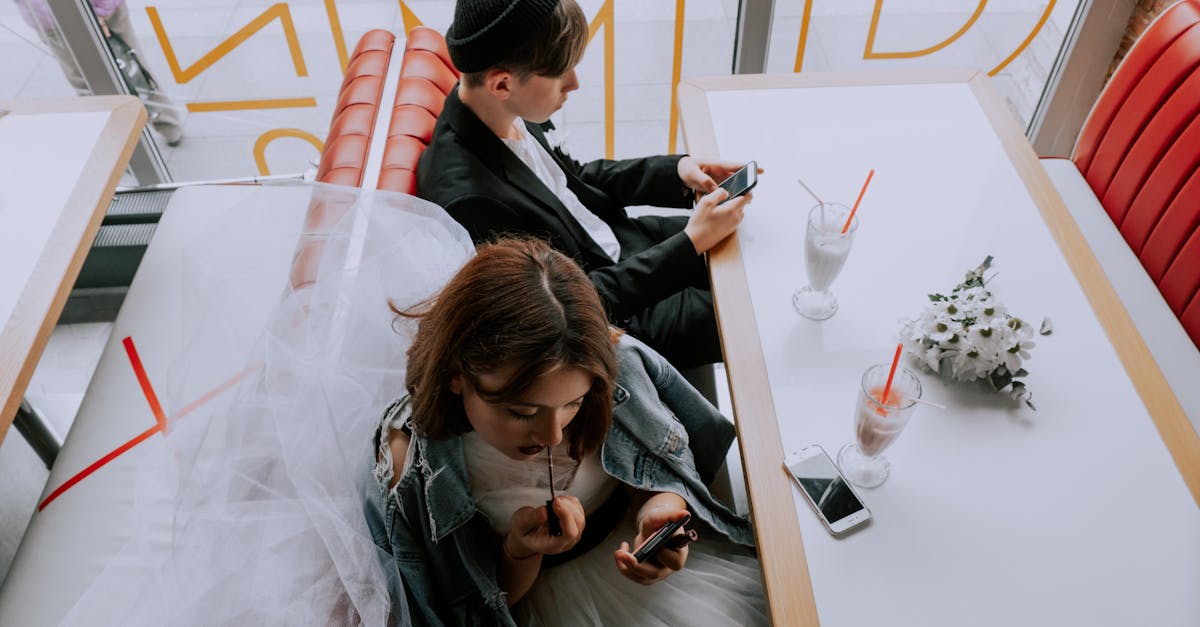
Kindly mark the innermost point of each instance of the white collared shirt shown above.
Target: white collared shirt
(535, 157)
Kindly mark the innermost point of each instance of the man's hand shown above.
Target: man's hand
(703, 175)
(529, 533)
(104, 26)
(714, 219)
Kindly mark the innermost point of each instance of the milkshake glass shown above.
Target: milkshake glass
(877, 423)
(825, 250)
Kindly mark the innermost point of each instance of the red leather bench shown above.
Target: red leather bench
(1133, 186)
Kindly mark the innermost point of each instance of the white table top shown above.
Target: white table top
(59, 163)
(994, 515)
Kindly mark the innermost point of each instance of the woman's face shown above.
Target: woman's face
(523, 427)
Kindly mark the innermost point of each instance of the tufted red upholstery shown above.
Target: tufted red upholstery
(1139, 150)
(349, 139)
(348, 144)
(426, 76)
(422, 38)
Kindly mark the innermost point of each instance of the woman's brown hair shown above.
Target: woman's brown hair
(517, 301)
(552, 52)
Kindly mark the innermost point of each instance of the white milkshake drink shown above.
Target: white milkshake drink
(827, 240)
(824, 256)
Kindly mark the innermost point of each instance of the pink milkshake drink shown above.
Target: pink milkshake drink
(827, 242)
(878, 421)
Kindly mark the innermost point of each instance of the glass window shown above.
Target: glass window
(1015, 41)
(245, 88)
(34, 62)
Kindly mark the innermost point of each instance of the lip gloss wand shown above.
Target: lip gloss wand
(551, 518)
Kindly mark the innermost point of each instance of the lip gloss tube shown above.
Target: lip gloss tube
(552, 518)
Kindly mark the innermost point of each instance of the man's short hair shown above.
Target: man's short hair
(550, 51)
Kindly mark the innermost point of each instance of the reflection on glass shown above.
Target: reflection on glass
(254, 85)
(1016, 42)
(817, 476)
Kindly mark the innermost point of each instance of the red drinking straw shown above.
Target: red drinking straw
(850, 217)
(891, 373)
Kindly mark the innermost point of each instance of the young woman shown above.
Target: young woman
(519, 395)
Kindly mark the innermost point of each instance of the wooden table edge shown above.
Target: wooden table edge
(89, 199)
(786, 579)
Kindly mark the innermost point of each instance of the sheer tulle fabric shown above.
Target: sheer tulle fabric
(251, 514)
(720, 585)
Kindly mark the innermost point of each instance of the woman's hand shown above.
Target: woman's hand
(703, 175)
(529, 533)
(658, 511)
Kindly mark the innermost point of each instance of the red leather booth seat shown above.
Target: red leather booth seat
(1139, 151)
(349, 139)
(426, 76)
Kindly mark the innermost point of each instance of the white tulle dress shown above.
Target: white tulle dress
(249, 510)
(721, 584)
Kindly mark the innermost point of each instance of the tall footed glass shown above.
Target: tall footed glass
(877, 423)
(826, 247)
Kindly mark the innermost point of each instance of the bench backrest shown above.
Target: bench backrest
(426, 77)
(349, 141)
(1139, 150)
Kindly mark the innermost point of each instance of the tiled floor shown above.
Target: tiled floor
(221, 144)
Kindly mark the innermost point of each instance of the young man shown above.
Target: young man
(490, 166)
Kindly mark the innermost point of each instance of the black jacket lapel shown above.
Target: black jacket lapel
(480, 139)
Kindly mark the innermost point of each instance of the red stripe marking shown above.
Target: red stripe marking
(215, 392)
(144, 381)
(160, 419)
(81, 475)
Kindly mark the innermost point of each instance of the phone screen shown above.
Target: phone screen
(817, 476)
(742, 180)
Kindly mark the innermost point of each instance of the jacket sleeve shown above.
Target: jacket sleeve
(625, 288)
(710, 434)
(639, 281)
(644, 181)
(486, 218)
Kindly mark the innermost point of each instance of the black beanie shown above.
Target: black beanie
(485, 31)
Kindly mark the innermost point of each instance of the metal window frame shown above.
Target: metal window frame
(84, 38)
(753, 35)
(1078, 76)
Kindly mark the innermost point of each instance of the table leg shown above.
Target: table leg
(38, 433)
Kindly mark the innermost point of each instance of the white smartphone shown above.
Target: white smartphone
(826, 490)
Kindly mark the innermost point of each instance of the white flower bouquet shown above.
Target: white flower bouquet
(967, 335)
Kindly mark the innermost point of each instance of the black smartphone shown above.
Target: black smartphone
(742, 181)
(655, 543)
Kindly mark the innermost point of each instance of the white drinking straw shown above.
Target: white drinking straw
(820, 203)
(930, 403)
(810, 192)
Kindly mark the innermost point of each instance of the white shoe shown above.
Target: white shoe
(172, 133)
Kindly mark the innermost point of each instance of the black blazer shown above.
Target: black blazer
(471, 173)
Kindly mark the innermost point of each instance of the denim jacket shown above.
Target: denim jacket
(665, 437)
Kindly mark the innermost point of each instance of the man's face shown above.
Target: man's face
(535, 98)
